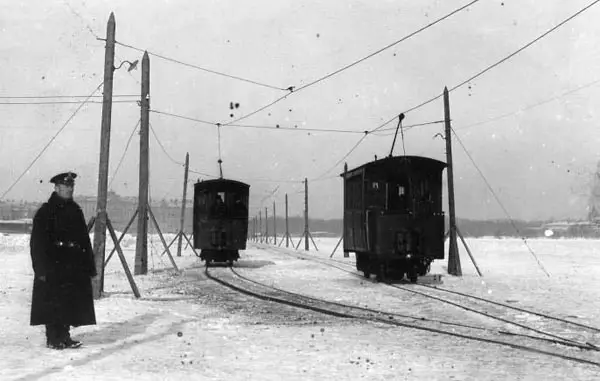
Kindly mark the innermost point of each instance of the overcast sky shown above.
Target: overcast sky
(538, 160)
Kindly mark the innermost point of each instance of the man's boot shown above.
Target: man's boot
(70, 343)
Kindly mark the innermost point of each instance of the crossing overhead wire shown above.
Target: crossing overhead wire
(342, 159)
(270, 194)
(277, 127)
(490, 67)
(366, 133)
(163, 147)
(183, 117)
(51, 140)
(170, 157)
(283, 128)
(579, 88)
(526, 45)
(63, 96)
(387, 46)
(88, 27)
(124, 152)
(201, 173)
(202, 68)
(410, 126)
(58, 102)
(499, 202)
(294, 90)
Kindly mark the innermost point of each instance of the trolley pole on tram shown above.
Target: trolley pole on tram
(454, 267)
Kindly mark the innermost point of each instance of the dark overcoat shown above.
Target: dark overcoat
(61, 252)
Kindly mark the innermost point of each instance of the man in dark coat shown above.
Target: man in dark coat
(63, 263)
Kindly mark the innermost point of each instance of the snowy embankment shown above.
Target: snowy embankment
(174, 333)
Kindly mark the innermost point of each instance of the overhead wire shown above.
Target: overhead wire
(58, 102)
(183, 117)
(163, 147)
(490, 67)
(89, 28)
(202, 68)
(498, 200)
(62, 96)
(124, 152)
(320, 177)
(170, 157)
(283, 128)
(50, 142)
(294, 90)
(579, 88)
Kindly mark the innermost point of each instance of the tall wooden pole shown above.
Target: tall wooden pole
(287, 226)
(183, 200)
(100, 224)
(453, 258)
(141, 247)
(260, 226)
(344, 219)
(274, 225)
(266, 226)
(305, 214)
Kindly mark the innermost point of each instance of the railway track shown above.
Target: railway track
(570, 334)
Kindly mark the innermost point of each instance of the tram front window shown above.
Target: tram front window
(218, 208)
(397, 198)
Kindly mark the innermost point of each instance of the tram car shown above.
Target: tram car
(393, 218)
(220, 223)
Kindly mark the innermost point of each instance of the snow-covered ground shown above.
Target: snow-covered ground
(186, 327)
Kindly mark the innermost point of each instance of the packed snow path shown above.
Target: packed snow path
(187, 327)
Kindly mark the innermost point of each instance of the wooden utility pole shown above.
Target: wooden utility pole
(141, 247)
(266, 226)
(287, 226)
(453, 258)
(183, 201)
(260, 226)
(305, 214)
(274, 225)
(101, 217)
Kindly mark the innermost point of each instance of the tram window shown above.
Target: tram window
(353, 194)
(219, 204)
(397, 198)
(202, 200)
(240, 202)
(376, 196)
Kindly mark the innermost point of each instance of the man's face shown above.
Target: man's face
(64, 191)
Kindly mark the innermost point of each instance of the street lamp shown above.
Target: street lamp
(132, 65)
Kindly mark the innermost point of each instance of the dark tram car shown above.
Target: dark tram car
(393, 218)
(220, 219)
